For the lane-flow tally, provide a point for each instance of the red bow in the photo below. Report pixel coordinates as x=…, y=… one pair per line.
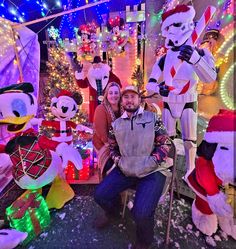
x=92, y=27
x=114, y=21
x=84, y=28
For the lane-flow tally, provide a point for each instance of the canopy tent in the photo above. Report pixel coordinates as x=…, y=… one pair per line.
x=19, y=55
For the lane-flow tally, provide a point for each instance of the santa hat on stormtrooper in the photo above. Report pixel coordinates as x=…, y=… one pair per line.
x=180, y=14
x=222, y=127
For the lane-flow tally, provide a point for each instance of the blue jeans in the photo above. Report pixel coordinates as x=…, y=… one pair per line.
x=148, y=193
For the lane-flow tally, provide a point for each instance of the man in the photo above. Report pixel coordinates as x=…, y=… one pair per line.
x=99, y=75
x=140, y=147
x=181, y=103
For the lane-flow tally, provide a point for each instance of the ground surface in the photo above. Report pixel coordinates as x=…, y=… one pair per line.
x=71, y=227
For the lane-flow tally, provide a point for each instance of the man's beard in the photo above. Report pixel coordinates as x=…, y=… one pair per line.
x=131, y=110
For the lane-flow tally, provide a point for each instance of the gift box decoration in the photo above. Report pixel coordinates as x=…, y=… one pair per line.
x=30, y=214
x=73, y=175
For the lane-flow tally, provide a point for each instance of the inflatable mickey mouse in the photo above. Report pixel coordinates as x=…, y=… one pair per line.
x=213, y=179
x=64, y=107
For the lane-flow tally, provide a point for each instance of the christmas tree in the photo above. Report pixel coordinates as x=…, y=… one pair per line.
x=137, y=78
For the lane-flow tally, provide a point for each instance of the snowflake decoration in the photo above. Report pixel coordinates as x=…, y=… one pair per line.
x=53, y=33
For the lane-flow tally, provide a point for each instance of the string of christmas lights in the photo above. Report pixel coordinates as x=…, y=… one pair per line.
x=66, y=29
x=28, y=9
x=226, y=86
x=7, y=35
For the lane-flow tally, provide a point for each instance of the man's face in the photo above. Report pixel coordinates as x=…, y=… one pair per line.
x=131, y=101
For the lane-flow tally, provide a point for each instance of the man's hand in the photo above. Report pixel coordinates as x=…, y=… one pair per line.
x=164, y=89
x=189, y=54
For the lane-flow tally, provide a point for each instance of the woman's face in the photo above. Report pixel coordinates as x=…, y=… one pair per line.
x=113, y=95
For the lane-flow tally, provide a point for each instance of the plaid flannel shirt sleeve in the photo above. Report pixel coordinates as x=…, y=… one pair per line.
x=162, y=142
x=113, y=145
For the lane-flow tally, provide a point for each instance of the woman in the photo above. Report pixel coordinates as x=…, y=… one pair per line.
x=105, y=114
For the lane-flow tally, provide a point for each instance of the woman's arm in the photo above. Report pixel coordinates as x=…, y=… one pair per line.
x=101, y=124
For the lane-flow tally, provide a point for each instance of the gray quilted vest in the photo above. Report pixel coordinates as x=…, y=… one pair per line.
x=135, y=138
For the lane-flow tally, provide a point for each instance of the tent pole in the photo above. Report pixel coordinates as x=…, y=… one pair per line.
x=18, y=25
x=17, y=56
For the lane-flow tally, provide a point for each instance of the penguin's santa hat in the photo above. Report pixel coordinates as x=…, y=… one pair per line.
x=221, y=127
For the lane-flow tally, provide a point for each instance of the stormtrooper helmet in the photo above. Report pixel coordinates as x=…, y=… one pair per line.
x=177, y=25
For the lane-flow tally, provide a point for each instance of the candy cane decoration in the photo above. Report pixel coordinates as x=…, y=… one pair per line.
x=201, y=24
x=200, y=27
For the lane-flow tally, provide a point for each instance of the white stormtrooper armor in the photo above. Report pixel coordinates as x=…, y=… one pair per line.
x=177, y=28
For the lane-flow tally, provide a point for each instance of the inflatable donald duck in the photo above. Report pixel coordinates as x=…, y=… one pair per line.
x=36, y=159
x=213, y=179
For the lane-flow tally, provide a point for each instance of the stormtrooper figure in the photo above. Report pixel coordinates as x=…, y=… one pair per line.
x=177, y=27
